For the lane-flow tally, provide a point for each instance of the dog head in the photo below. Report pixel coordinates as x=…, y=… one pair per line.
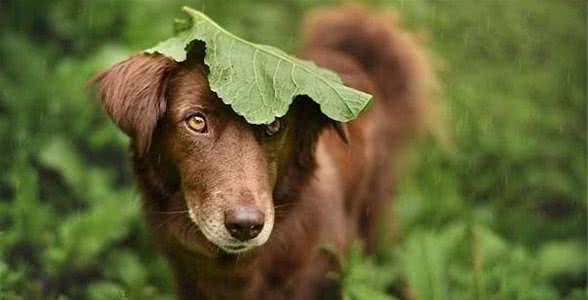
x=222, y=170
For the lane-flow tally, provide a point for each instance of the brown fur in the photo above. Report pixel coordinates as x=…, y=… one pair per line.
x=324, y=180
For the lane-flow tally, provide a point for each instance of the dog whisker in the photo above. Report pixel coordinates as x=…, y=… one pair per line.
x=187, y=230
x=166, y=221
x=284, y=205
x=172, y=212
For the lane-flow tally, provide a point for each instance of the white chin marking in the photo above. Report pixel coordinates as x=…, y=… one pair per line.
x=234, y=250
x=227, y=243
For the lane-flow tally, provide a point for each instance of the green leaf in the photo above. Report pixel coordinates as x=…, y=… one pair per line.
x=425, y=265
x=557, y=259
x=359, y=276
x=258, y=81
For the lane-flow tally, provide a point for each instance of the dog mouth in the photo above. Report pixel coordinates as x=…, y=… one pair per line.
x=222, y=240
x=234, y=249
x=227, y=246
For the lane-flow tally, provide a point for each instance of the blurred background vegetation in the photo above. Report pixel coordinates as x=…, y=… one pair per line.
x=498, y=213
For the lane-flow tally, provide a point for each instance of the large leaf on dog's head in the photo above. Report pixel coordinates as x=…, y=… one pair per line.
x=260, y=82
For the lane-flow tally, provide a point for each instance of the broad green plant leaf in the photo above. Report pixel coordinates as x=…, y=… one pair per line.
x=425, y=265
x=260, y=82
x=359, y=276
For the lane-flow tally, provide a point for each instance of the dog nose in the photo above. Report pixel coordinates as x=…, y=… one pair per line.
x=244, y=223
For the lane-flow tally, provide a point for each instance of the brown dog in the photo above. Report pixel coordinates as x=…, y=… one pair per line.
x=242, y=210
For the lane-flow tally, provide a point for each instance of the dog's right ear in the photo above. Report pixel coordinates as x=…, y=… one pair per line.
x=133, y=94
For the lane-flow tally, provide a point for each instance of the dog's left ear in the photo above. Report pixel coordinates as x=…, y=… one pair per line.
x=310, y=123
x=133, y=94
x=341, y=130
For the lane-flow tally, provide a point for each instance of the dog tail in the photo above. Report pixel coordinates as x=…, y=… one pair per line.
x=391, y=57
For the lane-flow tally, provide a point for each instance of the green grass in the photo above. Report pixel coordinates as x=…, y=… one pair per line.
x=500, y=213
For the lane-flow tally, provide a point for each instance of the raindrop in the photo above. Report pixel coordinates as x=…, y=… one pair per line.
x=488, y=23
x=466, y=38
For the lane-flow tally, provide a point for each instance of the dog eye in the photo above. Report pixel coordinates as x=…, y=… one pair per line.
x=272, y=128
x=197, y=123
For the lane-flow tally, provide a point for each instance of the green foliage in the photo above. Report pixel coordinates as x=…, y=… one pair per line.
x=515, y=95
x=270, y=78
x=471, y=262
x=498, y=214
x=360, y=278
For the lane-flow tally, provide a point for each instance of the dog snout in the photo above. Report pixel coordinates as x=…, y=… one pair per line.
x=244, y=223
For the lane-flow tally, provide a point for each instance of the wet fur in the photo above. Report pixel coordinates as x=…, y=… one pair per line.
x=330, y=179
